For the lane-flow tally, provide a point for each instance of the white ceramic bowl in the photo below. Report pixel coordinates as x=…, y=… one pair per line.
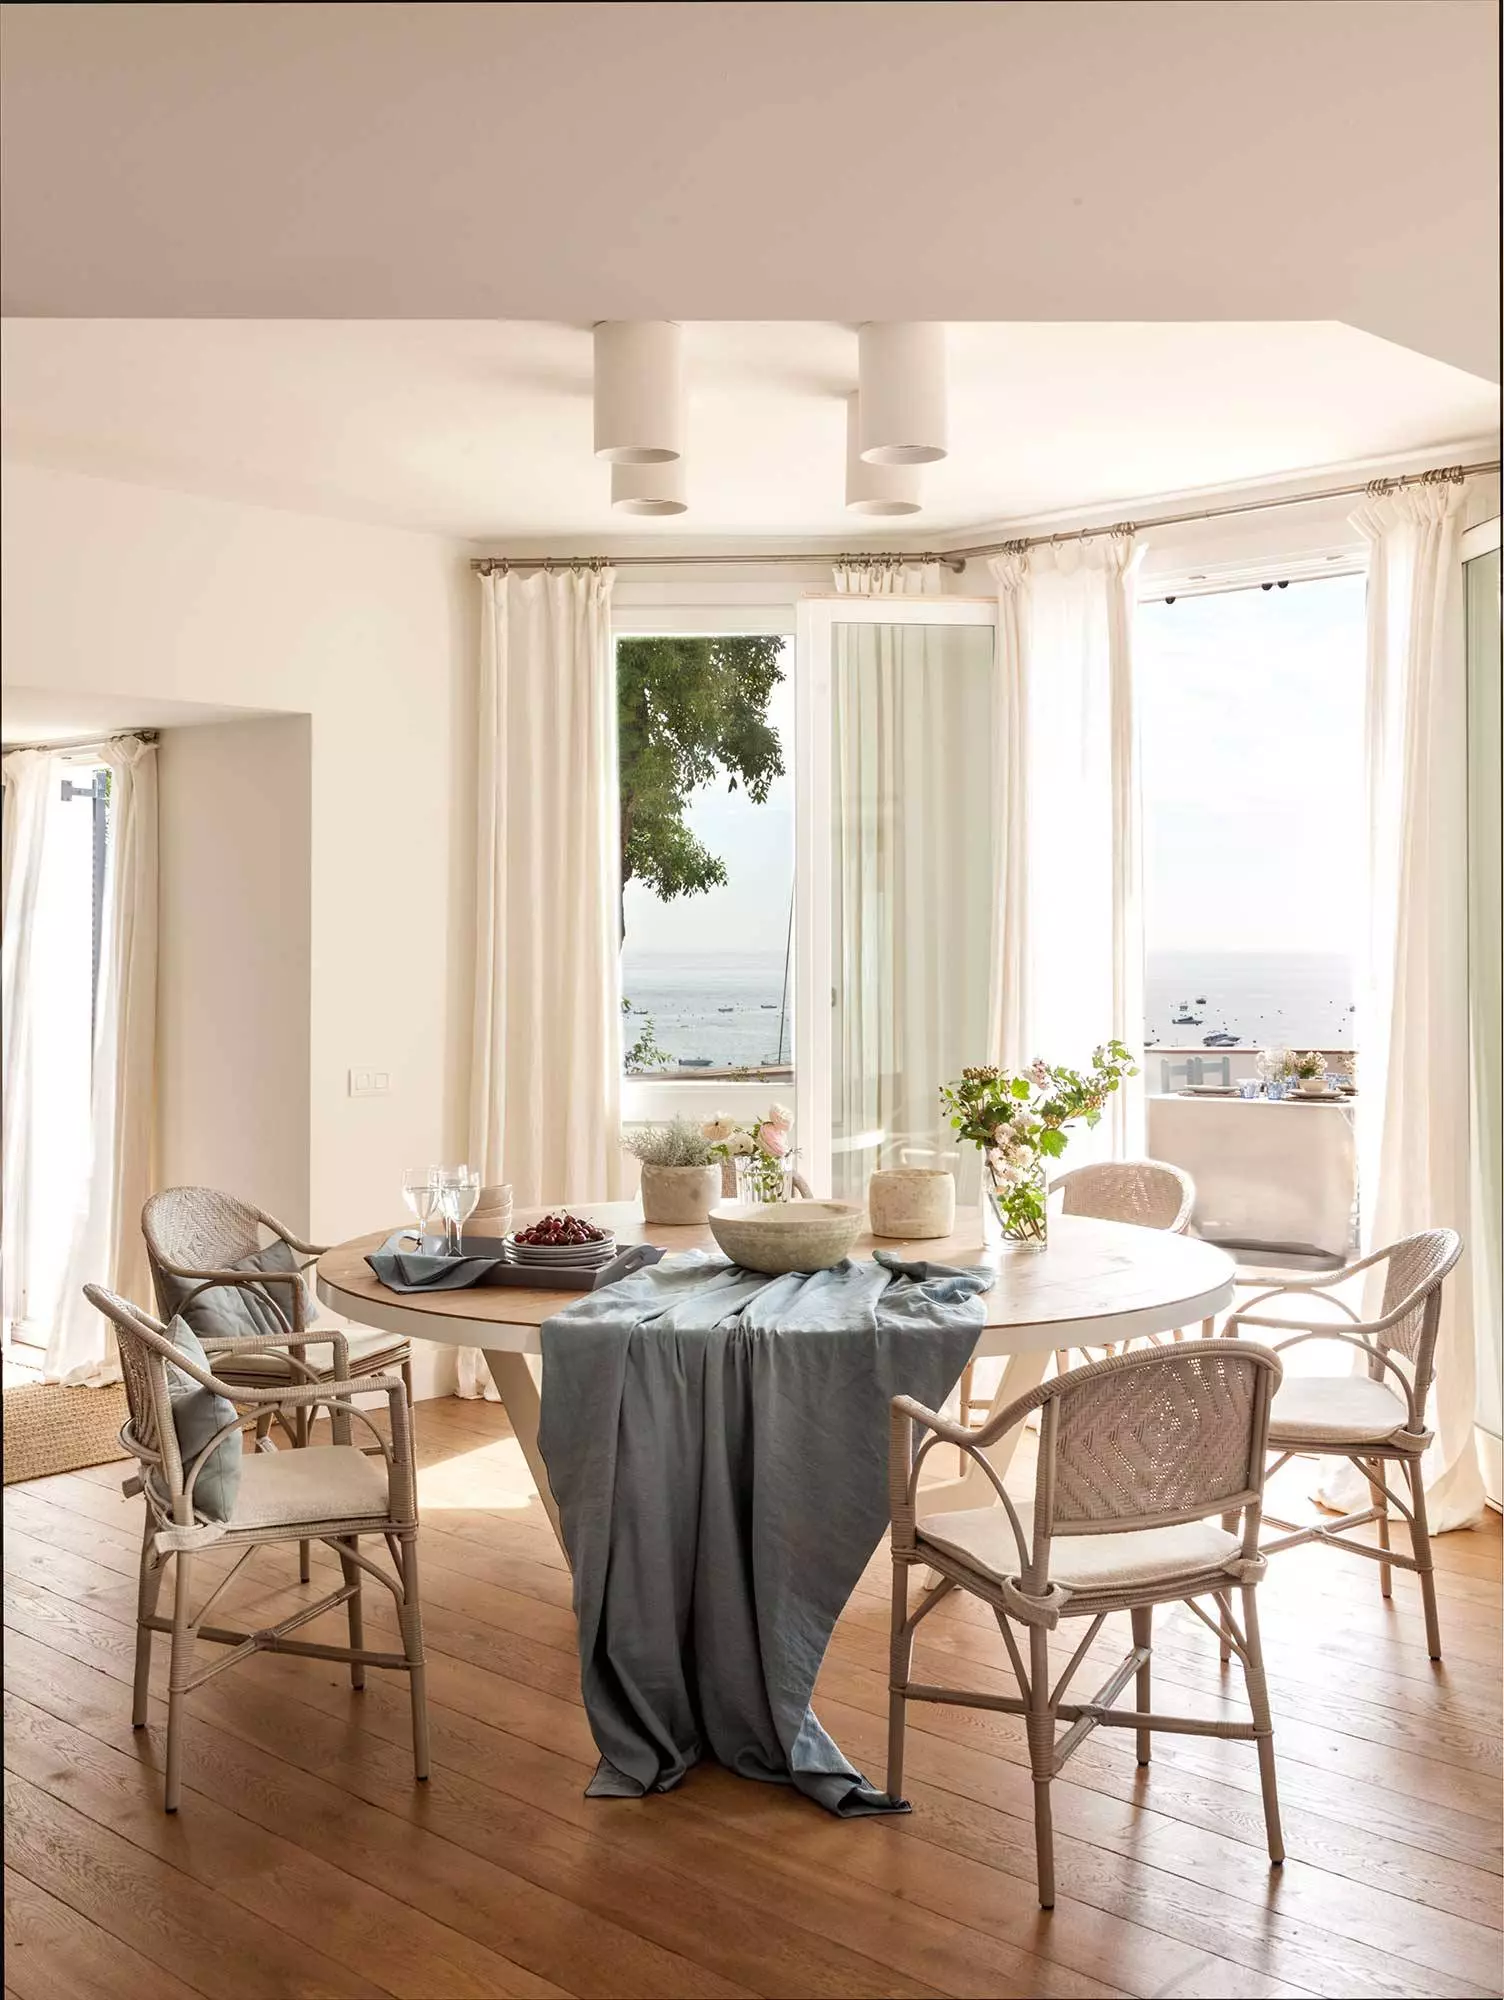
x=780, y=1236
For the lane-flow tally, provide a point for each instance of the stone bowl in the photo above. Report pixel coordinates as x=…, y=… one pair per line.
x=776, y=1237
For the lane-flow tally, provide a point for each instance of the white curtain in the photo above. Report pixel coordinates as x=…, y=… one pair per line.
x=883, y=577
x=108, y=1248
x=28, y=784
x=1068, y=866
x=545, y=1103
x=1413, y=1098
x=911, y=729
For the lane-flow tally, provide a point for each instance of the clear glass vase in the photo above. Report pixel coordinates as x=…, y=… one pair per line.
x=1015, y=1214
x=759, y=1177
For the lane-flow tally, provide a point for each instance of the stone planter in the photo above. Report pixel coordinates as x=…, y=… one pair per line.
x=912, y=1203
x=679, y=1197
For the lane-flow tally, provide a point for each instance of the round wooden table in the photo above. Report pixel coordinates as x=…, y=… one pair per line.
x=1098, y=1282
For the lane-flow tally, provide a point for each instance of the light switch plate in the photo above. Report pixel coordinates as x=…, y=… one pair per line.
x=370, y=1083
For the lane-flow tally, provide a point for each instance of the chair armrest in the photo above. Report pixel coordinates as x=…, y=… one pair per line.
x=931, y=1420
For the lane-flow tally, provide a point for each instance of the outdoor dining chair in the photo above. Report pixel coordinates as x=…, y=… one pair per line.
x=1138, y=1457
x=335, y=1494
x=1376, y=1419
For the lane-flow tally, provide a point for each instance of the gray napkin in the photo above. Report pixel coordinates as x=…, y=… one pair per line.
x=422, y=1271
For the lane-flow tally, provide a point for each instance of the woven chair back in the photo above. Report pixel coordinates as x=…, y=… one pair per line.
x=1154, y=1437
x=145, y=1375
x=198, y=1229
x=1418, y=1265
x=1151, y=1193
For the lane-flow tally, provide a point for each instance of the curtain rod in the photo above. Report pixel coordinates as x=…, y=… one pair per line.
x=483, y=565
x=84, y=745
x=957, y=559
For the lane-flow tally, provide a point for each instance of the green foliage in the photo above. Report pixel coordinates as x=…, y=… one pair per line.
x=645, y=1054
x=689, y=710
x=677, y=1144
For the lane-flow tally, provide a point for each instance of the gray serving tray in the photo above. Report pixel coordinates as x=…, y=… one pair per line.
x=555, y=1277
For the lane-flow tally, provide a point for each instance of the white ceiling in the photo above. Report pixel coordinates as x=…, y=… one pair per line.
x=483, y=430
x=47, y=715
x=1018, y=160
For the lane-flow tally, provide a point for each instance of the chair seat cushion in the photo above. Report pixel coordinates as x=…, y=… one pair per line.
x=1335, y=1409
x=322, y=1483
x=369, y=1354
x=983, y=1537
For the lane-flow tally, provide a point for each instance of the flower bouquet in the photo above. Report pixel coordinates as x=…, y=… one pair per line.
x=1309, y=1071
x=761, y=1150
x=1018, y=1120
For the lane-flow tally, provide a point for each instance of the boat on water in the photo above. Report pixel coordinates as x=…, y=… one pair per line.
x=1186, y=1020
x=694, y=1062
x=1220, y=1039
x=725, y=1010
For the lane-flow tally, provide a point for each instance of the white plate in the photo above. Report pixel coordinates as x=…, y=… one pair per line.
x=562, y=1253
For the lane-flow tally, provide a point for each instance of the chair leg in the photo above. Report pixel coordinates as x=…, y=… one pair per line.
x=1420, y=1548
x=1040, y=1724
x=148, y=1591
x=1224, y=1610
x=180, y=1669
x=411, y=1616
x=407, y=1382
x=900, y=1660
x=356, y=1612
x=263, y=1426
x=301, y=1428
x=1263, y=1723
x=1381, y=1501
x=1143, y=1629
x=963, y=1410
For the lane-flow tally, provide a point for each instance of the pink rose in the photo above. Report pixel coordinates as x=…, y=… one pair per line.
x=773, y=1139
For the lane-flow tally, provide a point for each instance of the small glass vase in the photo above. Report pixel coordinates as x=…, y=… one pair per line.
x=759, y=1177
x=1015, y=1215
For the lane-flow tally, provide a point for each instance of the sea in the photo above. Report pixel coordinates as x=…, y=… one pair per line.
x=731, y=1010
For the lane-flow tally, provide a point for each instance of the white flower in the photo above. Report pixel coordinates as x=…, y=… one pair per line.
x=1001, y=1134
x=719, y=1128
x=780, y=1115
x=1039, y=1070
x=739, y=1142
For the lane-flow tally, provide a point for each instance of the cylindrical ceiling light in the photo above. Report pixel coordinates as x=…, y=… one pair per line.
x=639, y=391
x=650, y=489
x=875, y=489
x=901, y=368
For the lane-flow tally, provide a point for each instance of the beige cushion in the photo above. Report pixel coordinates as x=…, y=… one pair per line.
x=984, y=1538
x=1336, y=1409
x=323, y=1483
x=367, y=1351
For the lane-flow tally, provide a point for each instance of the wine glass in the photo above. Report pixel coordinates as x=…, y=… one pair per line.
x=419, y=1193
x=458, y=1190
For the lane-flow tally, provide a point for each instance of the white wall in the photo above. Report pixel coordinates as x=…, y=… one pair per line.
x=234, y=970
x=113, y=588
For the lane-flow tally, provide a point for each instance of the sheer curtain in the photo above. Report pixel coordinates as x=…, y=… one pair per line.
x=1413, y=1044
x=546, y=1077
x=911, y=733
x=545, y=1105
x=28, y=776
x=1070, y=967
x=887, y=577
x=107, y=1248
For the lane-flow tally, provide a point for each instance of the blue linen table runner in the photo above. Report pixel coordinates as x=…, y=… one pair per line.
x=717, y=1444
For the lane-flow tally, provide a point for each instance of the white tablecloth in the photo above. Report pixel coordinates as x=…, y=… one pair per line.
x=1276, y=1175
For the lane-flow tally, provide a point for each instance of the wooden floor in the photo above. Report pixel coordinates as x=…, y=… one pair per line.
x=305, y=1861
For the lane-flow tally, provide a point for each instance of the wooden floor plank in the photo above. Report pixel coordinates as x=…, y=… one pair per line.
x=53, y=1953
x=1389, y=1768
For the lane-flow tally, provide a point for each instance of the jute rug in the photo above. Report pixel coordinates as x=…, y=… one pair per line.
x=51, y=1429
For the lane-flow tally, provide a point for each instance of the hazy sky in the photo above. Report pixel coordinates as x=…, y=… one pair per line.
x=1250, y=717
x=1250, y=728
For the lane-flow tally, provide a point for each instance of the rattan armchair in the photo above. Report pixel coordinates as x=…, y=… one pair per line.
x=334, y=1494
x=1137, y=1456
x=195, y=1237
x=1377, y=1419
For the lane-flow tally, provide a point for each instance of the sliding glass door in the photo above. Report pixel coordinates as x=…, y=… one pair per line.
x=896, y=779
